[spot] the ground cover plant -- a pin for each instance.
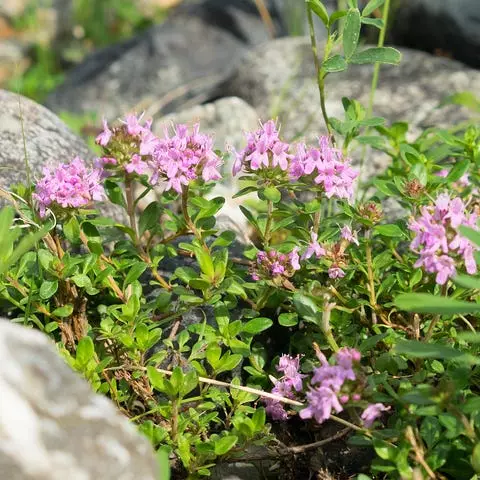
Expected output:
(345, 322)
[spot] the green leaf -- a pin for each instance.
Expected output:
(225, 444)
(64, 311)
(471, 234)
(114, 193)
(82, 281)
(85, 350)
(51, 327)
(416, 349)
(426, 303)
(26, 243)
(163, 462)
(257, 325)
(476, 458)
(48, 289)
(337, 16)
(149, 218)
(467, 281)
(390, 230)
(374, 22)
(272, 194)
(205, 262)
(228, 363)
(71, 229)
(466, 99)
(384, 450)
(458, 171)
(134, 273)
(431, 431)
(377, 54)
(335, 64)
(371, 6)
(319, 9)
(249, 216)
(351, 33)
(288, 319)
(305, 306)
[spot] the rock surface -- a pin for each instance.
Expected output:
(446, 27)
(172, 65)
(53, 427)
(47, 138)
(278, 80)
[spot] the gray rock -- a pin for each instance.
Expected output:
(53, 427)
(447, 27)
(172, 65)
(278, 80)
(47, 138)
(236, 471)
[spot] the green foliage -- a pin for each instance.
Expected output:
(98, 288)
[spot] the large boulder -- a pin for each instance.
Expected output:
(53, 427)
(172, 65)
(47, 139)
(445, 27)
(278, 80)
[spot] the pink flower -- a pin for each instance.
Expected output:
(372, 412)
(136, 165)
(69, 185)
(437, 240)
(294, 259)
(183, 158)
(329, 168)
(275, 264)
(347, 356)
(292, 377)
(264, 150)
(347, 234)
(313, 248)
(104, 138)
(321, 402)
(275, 410)
(335, 272)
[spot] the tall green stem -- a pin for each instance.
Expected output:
(131, 208)
(187, 218)
(319, 72)
(325, 324)
(376, 71)
(376, 68)
(268, 226)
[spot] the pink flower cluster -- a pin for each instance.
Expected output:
(335, 253)
(178, 159)
(292, 381)
(332, 386)
(184, 157)
(437, 240)
(324, 166)
(327, 382)
(264, 150)
(69, 185)
(273, 264)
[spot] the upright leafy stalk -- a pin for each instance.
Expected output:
(131, 208)
(320, 73)
(268, 226)
(376, 68)
(376, 73)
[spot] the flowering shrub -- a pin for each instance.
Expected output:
(212, 347)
